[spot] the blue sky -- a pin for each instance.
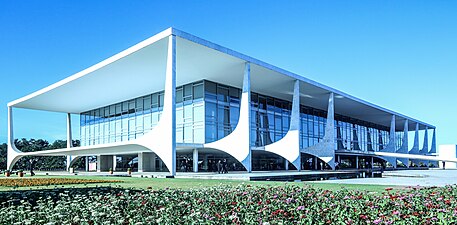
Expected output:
(397, 54)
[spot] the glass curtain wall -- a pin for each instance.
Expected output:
(357, 135)
(207, 111)
(270, 118)
(313, 122)
(222, 109)
(131, 119)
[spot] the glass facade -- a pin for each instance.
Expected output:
(207, 111)
(131, 119)
(352, 134)
(222, 109)
(313, 124)
(270, 119)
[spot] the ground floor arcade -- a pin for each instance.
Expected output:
(209, 160)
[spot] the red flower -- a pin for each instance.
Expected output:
(389, 189)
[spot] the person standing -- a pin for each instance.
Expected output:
(32, 164)
(224, 166)
(219, 166)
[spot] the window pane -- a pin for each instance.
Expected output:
(198, 91)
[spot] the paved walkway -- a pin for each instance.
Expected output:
(434, 177)
(237, 175)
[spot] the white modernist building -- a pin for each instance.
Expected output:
(178, 102)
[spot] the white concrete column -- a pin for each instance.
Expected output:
(87, 163)
(391, 146)
(289, 146)
(357, 162)
(325, 149)
(69, 140)
(170, 99)
(424, 149)
(146, 161)
(433, 147)
(104, 163)
(162, 139)
(69, 134)
(238, 143)
(195, 160)
(13, 155)
(286, 165)
(404, 146)
(99, 164)
(114, 162)
(141, 162)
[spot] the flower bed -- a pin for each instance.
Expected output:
(28, 182)
(234, 205)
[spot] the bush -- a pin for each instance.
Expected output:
(233, 205)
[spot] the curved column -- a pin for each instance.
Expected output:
(73, 160)
(238, 143)
(162, 139)
(289, 146)
(325, 149)
(424, 150)
(390, 147)
(13, 155)
(415, 149)
(404, 145)
(433, 147)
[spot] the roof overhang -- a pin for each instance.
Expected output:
(140, 70)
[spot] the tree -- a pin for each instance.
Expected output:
(32, 145)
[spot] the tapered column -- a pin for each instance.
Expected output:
(170, 99)
(415, 148)
(238, 143)
(289, 146)
(404, 146)
(13, 155)
(391, 146)
(433, 147)
(424, 150)
(325, 149)
(245, 109)
(195, 160)
(162, 139)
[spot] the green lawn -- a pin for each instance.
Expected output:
(188, 183)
